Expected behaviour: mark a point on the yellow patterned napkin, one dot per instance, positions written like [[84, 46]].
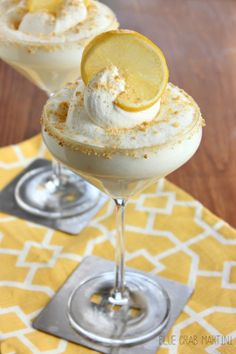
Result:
[[168, 233]]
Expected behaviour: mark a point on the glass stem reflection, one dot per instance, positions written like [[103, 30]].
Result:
[[119, 295], [56, 173]]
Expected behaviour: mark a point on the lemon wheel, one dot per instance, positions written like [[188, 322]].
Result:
[[139, 61]]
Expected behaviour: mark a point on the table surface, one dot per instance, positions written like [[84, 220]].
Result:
[[198, 39]]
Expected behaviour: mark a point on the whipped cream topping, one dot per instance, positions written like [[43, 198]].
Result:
[[98, 103], [73, 23], [100, 95], [69, 14]]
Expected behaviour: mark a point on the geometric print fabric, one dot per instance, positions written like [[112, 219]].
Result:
[[168, 233]]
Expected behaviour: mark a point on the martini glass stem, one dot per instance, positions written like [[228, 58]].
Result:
[[56, 166], [119, 295]]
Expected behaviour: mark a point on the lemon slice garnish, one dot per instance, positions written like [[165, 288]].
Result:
[[139, 61], [87, 3], [50, 6]]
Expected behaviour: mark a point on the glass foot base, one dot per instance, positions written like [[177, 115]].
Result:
[[39, 194], [93, 314]]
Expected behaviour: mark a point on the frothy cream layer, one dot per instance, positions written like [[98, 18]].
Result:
[[75, 22], [67, 119]]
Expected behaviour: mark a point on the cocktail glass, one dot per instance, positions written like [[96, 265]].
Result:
[[49, 192], [124, 307]]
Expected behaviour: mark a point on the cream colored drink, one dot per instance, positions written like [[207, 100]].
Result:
[[122, 161], [46, 47]]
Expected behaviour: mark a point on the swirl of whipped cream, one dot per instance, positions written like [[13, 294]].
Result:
[[71, 12], [99, 98]]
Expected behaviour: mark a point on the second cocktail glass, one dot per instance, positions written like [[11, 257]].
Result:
[[50, 58]]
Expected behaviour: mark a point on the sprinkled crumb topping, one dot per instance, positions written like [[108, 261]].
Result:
[[179, 117]]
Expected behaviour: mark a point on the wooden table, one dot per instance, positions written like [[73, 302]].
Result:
[[199, 40]]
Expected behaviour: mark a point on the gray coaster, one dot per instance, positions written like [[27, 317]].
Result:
[[73, 225], [53, 319]]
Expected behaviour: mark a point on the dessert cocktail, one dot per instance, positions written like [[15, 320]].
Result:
[[125, 128], [44, 40]]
